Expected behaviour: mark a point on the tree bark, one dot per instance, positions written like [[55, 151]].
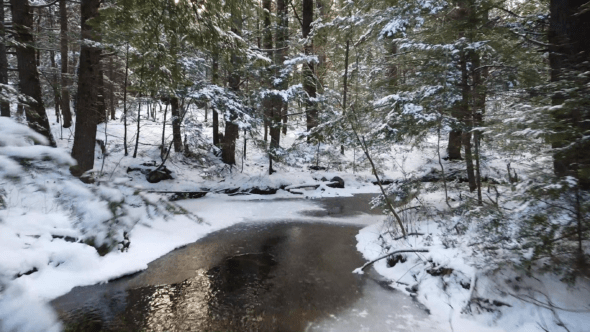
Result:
[[345, 90], [309, 82], [55, 85], [163, 151], [88, 103], [102, 107], [479, 104], [467, 119], [29, 83], [4, 105], [215, 80], [54, 78], [228, 153], [176, 119], [267, 44], [112, 88], [125, 100], [282, 36], [569, 32], [65, 93], [454, 147]]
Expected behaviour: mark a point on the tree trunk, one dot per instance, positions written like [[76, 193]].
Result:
[[282, 36], [87, 103], [321, 45], [4, 105], [54, 85], [272, 103], [176, 119], [163, 151], [65, 93], [112, 87], [29, 83], [125, 100], [38, 51], [102, 106], [54, 79], [267, 44], [466, 138], [569, 32], [138, 126], [214, 80], [467, 119], [228, 153], [345, 90], [479, 104], [309, 83], [454, 147]]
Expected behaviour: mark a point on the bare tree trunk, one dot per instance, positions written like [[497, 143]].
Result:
[[112, 87], [39, 15], [267, 44], [214, 80], [454, 147], [102, 107], [65, 93], [29, 83], [309, 82], [4, 105], [163, 152], [138, 127], [345, 90], [569, 51], [467, 122], [272, 103], [228, 153], [479, 104], [125, 100], [176, 136], [55, 85], [87, 103], [282, 36]]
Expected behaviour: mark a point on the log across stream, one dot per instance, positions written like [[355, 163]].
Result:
[[278, 276]]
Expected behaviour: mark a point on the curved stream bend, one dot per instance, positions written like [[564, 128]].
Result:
[[280, 276]]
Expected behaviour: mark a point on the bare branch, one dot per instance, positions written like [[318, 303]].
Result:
[[361, 269]]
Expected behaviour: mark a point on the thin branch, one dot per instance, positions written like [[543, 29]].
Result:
[[361, 269], [415, 234], [508, 11], [535, 42], [295, 12]]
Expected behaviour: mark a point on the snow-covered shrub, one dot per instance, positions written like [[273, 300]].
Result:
[[35, 180], [17, 149]]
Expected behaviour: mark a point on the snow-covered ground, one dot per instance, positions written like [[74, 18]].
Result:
[[50, 220]]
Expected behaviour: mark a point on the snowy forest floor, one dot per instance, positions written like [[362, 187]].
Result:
[[52, 225]]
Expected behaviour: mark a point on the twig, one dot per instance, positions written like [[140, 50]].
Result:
[[415, 234]]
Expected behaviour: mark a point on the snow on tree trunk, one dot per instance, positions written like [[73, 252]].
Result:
[[309, 82]]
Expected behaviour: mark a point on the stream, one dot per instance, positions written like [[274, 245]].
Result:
[[274, 276]]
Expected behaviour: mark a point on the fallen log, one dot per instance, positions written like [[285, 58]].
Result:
[[362, 268], [178, 195], [302, 186]]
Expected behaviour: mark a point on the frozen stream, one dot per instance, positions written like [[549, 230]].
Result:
[[273, 276]]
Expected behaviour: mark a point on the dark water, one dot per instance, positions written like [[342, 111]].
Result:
[[291, 276]]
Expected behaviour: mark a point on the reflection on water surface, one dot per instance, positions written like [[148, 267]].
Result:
[[291, 276]]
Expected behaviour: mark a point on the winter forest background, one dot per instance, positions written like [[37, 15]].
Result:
[[471, 114]]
